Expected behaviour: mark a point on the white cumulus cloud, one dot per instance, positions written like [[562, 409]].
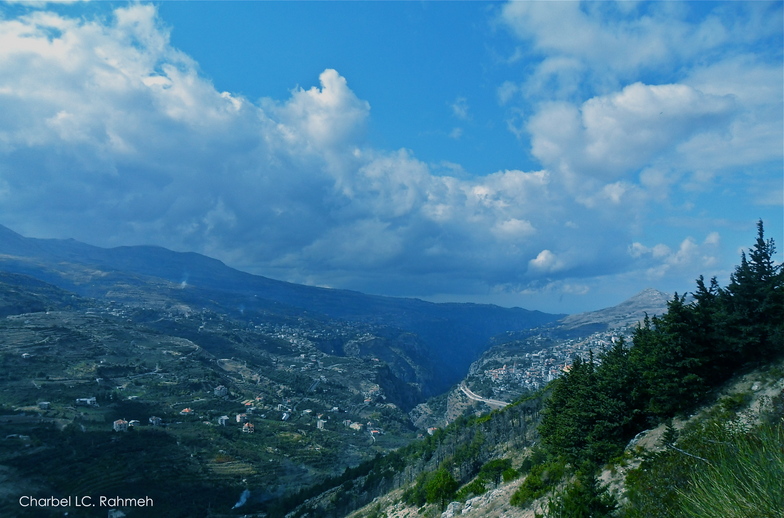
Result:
[[611, 136], [124, 141]]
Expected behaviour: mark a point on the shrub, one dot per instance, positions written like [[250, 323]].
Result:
[[735, 402], [582, 498], [510, 475], [477, 487], [539, 481]]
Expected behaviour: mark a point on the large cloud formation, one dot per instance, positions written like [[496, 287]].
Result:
[[112, 136]]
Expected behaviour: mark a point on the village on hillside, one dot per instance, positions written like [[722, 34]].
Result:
[[530, 364]]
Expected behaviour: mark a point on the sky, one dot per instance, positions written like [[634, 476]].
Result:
[[558, 156]]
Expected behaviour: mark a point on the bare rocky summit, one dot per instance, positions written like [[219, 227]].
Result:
[[629, 312]]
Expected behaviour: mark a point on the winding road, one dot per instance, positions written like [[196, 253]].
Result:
[[493, 403]]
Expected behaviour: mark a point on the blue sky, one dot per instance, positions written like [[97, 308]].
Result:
[[430, 71], [551, 155]]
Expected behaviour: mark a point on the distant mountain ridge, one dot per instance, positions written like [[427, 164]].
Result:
[[454, 334], [649, 301]]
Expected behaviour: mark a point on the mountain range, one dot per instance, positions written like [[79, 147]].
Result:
[[318, 380], [444, 337]]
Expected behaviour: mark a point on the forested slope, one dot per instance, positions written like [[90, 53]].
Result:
[[675, 363], [725, 461]]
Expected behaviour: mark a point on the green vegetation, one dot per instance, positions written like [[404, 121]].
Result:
[[675, 362], [540, 480], [136, 464], [140, 364], [474, 488], [440, 487], [493, 470], [743, 477], [719, 466], [583, 497]]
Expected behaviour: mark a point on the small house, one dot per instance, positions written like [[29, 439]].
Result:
[[120, 425], [223, 420], [155, 421], [248, 428]]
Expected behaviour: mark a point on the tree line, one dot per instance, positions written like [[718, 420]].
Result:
[[676, 360]]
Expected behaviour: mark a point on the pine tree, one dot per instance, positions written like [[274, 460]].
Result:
[[711, 330], [565, 425], [616, 415], [670, 356], [441, 487], [754, 302]]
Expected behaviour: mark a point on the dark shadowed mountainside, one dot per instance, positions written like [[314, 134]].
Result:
[[451, 335]]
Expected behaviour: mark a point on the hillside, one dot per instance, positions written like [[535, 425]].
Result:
[[161, 389], [73, 368], [183, 374], [685, 419], [518, 363], [624, 315], [742, 405], [449, 336]]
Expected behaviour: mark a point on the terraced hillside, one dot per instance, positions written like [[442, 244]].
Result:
[[76, 367]]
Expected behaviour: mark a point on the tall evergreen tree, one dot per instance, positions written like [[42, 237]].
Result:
[[712, 332], [754, 302], [617, 417], [672, 357], [569, 414]]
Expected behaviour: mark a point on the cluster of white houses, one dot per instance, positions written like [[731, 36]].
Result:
[[242, 418], [533, 370]]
